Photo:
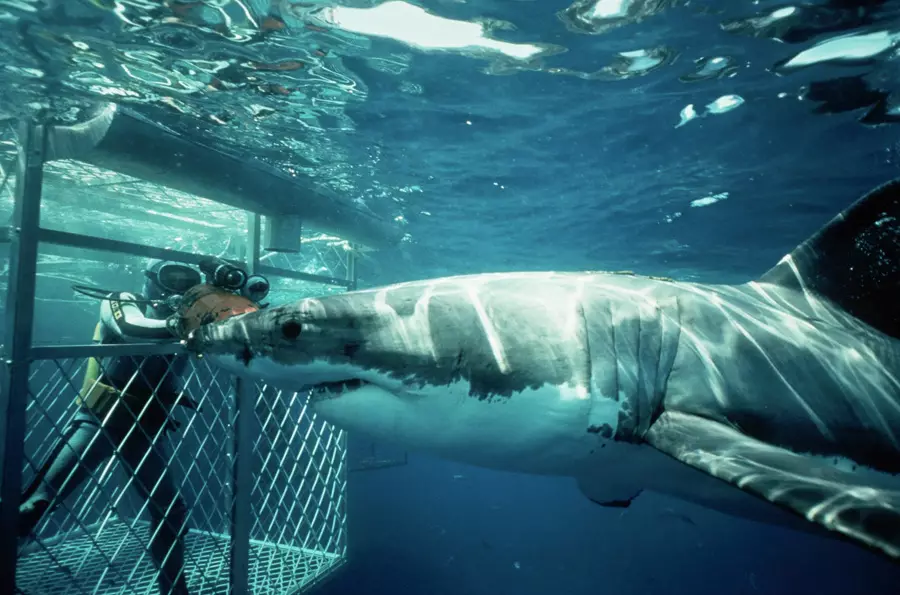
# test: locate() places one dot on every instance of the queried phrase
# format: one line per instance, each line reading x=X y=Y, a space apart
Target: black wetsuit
x=95 y=434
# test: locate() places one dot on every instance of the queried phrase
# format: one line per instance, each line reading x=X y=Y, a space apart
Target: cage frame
x=17 y=351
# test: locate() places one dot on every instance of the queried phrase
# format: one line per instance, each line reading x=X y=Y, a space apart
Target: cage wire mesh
x=299 y=490
x=81 y=198
x=104 y=483
x=154 y=500
x=322 y=255
x=98 y=535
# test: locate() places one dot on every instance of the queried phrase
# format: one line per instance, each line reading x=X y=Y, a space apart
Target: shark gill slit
x=640 y=377
x=587 y=348
x=612 y=338
x=664 y=369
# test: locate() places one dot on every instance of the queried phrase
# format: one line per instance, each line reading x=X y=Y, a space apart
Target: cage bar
x=74 y=240
x=17 y=340
x=351 y=268
x=254 y=223
x=243 y=492
x=243 y=476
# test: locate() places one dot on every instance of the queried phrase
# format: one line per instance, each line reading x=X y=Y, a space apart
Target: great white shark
x=776 y=400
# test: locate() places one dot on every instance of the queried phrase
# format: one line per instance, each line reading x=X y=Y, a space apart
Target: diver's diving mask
x=172 y=278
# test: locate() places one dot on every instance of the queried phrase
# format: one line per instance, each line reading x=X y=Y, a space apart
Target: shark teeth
x=335 y=389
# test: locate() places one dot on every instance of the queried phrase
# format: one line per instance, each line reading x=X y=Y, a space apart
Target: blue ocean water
x=493 y=165
x=526 y=172
x=443 y=528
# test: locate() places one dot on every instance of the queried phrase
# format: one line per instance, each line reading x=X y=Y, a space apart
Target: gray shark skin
x=775 y=400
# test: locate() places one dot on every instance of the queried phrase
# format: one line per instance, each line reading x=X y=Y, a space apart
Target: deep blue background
x=438 y=528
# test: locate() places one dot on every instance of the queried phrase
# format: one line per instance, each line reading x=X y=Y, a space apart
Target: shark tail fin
x=854 y=261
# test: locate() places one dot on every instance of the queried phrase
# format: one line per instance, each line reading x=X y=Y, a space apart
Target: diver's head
x=165 y=284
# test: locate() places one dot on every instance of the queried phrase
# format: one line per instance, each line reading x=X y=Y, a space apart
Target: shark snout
x=308 y=343
x=282 y=334
x=237 y=336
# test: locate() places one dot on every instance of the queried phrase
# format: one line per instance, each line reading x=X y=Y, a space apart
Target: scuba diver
x=125 y=409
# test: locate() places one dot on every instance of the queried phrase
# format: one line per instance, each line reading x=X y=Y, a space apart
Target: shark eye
x=291 y=329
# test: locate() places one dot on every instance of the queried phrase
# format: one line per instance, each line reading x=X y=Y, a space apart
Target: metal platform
x=55 y=567
x=125 y=141
x=260 y=480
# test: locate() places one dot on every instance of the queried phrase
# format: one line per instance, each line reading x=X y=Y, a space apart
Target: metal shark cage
x=263 y=480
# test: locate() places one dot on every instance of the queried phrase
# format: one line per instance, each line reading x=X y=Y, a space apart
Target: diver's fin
x=840 y=501
x=853 y=261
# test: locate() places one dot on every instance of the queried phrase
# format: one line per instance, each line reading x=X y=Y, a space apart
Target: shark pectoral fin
x=837 y=500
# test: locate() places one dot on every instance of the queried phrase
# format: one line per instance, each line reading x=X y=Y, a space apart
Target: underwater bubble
x=710 y=68
x=805 y=22
x=594 y=17
x=709 y=200
x=847 y=48
x=725 y=103
x=687 y=114
x=639 y=62
x=760 y=25
x=419 y=28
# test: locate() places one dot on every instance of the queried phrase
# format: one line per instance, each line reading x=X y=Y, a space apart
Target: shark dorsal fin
x=854 y=261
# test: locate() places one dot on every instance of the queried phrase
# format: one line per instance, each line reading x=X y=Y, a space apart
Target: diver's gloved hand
x=194 y=341
x=174 y=325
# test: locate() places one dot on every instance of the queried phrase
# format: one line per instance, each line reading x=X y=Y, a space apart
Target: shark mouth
x=332 y=390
